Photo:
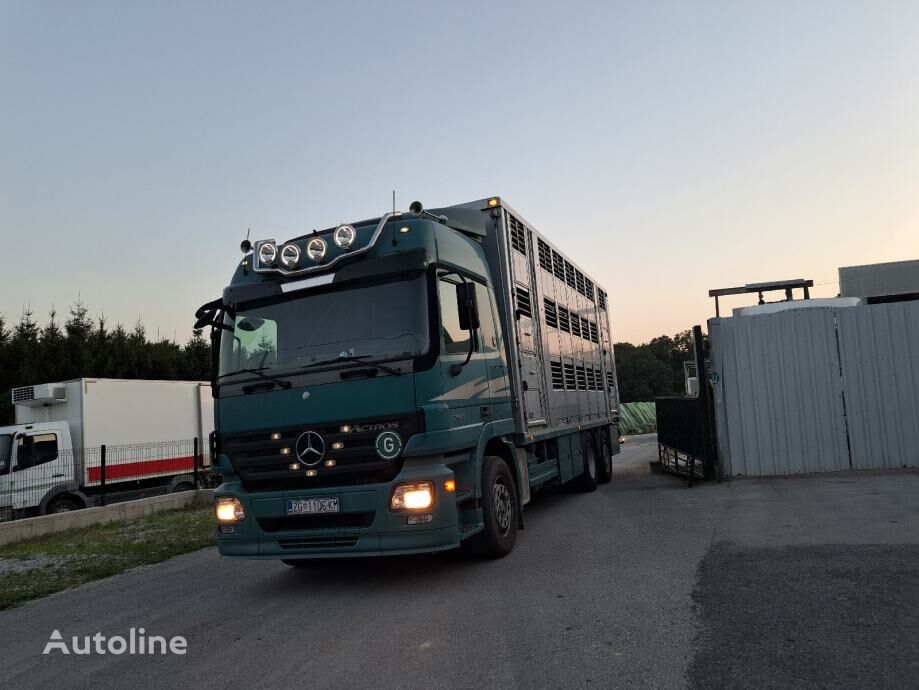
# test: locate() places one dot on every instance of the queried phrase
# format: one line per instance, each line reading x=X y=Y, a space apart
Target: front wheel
x=499 y=508
x=588 y=480
x=63 y=505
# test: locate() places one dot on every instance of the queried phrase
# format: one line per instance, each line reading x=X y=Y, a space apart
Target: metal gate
x=817 y=390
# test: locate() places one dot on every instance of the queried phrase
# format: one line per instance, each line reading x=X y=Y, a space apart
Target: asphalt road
x=801 y=581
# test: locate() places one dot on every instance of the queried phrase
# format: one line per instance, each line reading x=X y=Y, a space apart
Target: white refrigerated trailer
x=51 y=460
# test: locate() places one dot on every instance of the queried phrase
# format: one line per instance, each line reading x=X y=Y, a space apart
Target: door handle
x=56 y=475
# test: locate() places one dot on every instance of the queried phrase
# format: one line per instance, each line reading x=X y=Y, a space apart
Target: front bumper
x=364 y=527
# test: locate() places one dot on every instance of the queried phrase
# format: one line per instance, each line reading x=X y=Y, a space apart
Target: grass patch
x=71 y=558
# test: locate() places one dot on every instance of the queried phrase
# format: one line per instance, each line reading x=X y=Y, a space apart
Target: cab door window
x=35 y=449
x=455 y=339
x=487 y=331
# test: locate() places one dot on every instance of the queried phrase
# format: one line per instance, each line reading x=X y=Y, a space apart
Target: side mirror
x=467 y=306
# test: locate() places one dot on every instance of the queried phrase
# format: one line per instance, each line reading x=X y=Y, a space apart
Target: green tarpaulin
x=637 y=418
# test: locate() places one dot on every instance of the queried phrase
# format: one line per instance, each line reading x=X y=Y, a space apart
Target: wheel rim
x=591 y=461
x=62 y=509
x=503 y=505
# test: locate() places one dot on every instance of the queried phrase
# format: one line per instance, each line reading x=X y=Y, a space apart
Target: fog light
x=229 y=509
x=419 y=519
x=226 y=529
x=413 y=496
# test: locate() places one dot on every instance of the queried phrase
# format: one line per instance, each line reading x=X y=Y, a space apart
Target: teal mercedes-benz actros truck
x=403 y=384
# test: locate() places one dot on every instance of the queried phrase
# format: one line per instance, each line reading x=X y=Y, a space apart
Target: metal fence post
x=102 y=476
x=195 y=463
x=708 y=447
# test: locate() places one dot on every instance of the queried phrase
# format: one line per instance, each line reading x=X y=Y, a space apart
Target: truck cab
x=34 y=458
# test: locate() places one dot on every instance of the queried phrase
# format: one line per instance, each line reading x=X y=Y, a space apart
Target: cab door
x=463 y=376
x=41 y=459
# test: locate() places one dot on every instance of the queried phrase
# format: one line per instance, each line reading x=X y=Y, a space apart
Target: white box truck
x=51 y=459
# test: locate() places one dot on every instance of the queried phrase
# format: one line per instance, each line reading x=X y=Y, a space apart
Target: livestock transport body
x=402 y=385
x=51 y=460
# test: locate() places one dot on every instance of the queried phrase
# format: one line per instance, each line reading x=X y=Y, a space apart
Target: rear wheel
x=588 y=479
x=499 y=508
x=605 y=467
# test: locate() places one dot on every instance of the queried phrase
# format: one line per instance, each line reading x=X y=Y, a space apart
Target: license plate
x=300 y=506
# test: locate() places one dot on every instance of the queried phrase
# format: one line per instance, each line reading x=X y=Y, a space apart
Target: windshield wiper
x=355 y=359
x=258 y=372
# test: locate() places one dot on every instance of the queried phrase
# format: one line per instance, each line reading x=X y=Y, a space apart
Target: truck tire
x=587 y=482
x=500 y=510
x=605 y=466
x=63 y=505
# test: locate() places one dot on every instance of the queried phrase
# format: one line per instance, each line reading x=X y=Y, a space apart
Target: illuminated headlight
x=290 y=255
x=267 y=253
x=344 y=236
x=413 y=496
x=229 y=509
x=315 y=249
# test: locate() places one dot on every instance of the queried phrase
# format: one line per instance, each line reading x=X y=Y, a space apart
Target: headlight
x=229 y=509
x=267 y=253
x=290 y=255
x=315 y=249
x=413 y=496
x=344 y=236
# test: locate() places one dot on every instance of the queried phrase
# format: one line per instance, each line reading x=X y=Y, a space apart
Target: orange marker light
x=450 y=486
x=492 y=202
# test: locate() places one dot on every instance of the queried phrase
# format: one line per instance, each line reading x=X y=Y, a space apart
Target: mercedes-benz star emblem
x=310 y=448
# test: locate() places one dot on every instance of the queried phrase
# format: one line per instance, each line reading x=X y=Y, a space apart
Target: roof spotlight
x=416 y=208
x=344 y=236
x=315 y=249
x=267 y=253
x=290 y=255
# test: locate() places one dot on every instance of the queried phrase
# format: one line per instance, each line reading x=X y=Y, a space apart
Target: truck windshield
x=6 y=445
x=374 y=321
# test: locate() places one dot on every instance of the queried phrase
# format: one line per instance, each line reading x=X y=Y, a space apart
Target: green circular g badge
x=389 y=445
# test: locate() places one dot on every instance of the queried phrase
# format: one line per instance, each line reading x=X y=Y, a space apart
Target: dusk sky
x=669 y=148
